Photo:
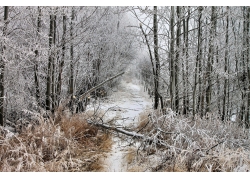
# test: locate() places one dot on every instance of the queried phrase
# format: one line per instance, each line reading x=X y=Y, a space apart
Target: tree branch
x=99 y=85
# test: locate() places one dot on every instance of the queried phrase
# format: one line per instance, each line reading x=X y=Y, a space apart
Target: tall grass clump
x=70 y=144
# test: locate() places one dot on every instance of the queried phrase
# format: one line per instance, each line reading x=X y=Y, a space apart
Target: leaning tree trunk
x=2 y=66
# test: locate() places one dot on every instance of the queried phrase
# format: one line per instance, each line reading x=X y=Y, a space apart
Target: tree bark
x=48 y=87
x=210 y=60
x=177 y=55
x=243 y=77
x=2 y=66
x=198 y=58
x=171 y=62
x=53 y=96
x=247 y=122
x=157 y=62
x=71 y=80
x=225 y=70
x=59 y=85
x=37 y=57
x=185 y=63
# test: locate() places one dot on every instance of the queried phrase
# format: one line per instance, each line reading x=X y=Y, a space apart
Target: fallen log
x=128 y=133
x=132 y=134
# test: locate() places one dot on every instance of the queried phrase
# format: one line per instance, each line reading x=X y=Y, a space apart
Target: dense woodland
x=198 y=60
x=52 y=55
x=192 y=61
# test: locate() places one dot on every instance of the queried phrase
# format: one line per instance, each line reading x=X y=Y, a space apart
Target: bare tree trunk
x=53 y=96
x=151 y=59
x=153 y=68
x=225 y=70
x=157 y=62
x=218 y=83
x=48 y=88
x=71 y=80
x=187 y=57
x=210 y=60
x=59 y=85
x=198 y=58
x=178 y=12
x=247 y=123
x=244 y=73
x=185 y=63
x=37 y=56
x=2 y=66
x=171 y=62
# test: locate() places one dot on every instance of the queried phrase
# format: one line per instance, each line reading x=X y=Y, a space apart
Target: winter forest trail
x=123 y=108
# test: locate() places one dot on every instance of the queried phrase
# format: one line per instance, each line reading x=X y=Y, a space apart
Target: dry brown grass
x=70 y=145
x=143 y=121
x=130 y=155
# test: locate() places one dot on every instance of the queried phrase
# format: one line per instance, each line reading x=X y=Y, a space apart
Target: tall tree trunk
x=48 y=87
x=59 y=85
x=243 y=77
x=71 y=80
x=178 y=12
x=198 y=57
x=218 y=83
x=2 y=66
x=247 y=123
x=157 y=62
x=225 y=70
x=185 y=63
x=153 y=67
x=171 y=62
x=187 y=58
x=37 y=56
x=210 y=60
x=53 y=96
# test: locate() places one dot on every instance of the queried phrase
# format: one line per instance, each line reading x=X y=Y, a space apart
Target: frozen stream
x=123 y=107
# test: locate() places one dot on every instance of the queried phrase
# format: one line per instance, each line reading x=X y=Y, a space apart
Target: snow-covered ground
x=124 y=107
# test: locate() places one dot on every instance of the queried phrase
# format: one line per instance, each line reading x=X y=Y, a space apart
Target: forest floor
x=123 y=108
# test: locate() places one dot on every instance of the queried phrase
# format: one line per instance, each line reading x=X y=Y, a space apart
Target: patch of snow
x=233 y=118
x=7 y=130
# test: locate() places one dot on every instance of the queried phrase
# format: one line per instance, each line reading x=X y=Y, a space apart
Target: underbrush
x=70 y=144
x=183 y=144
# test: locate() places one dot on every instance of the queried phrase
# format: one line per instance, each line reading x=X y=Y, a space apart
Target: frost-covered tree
x=52 y=54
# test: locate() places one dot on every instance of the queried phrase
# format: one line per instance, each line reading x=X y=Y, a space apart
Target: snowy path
x=123 y=107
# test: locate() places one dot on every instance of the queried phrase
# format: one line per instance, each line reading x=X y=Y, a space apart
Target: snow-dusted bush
x=184 y=144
